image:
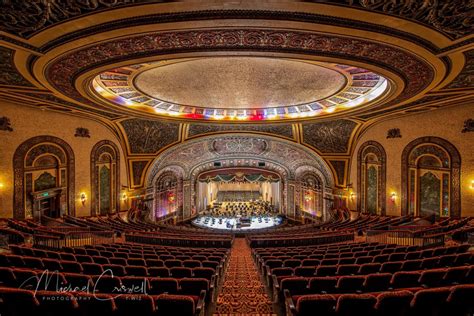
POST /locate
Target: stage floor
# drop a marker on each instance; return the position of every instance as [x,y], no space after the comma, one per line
[230,223]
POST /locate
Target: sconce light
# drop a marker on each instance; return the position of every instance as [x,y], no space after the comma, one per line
[472,185]
[124,197]
[352,196]
[83,198]
[393,197]
[1,185]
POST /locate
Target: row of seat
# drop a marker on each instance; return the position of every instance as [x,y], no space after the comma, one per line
[388,255]
[118,253]
[34,262]
[97,269]
[377,282]
[454,301]
[312,267]
[331,249]
[106,283]
[19,302]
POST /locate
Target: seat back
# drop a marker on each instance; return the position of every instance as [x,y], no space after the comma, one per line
[167,304]
[393,303]
[355,304]
[321,305]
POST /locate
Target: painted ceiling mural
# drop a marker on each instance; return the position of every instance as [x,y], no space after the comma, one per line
[343,73]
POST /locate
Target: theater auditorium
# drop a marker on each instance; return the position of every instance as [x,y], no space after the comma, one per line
[236,157]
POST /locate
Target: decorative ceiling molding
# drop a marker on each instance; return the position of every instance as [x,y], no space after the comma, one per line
[26,18]
[41,97]
[465,79]
[149,137]
[9,75]
[329,137]
[428,99]
[196,130]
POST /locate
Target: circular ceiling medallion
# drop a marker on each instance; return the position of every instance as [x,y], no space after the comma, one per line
[240,88]
[239,82]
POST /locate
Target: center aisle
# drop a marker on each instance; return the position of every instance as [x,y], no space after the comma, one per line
[242,291]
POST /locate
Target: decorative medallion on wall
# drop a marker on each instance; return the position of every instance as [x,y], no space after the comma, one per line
[147,137]
[5,124]
[394,133]
[329,137]
[246,145]
[468,126]
[82,132]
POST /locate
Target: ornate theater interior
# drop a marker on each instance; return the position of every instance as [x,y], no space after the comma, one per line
[236,157]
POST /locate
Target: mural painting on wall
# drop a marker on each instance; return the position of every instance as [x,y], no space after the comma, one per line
[146,136]
[430,195]
[104,190]
[45,181]
[329,137]
[372,191]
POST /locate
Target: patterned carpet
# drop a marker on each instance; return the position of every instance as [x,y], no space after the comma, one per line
[242,292]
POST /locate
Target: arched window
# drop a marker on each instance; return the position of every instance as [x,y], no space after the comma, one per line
[430,178]
[105,178]
[371,177]
[312,194]
[44,178]
[166,194]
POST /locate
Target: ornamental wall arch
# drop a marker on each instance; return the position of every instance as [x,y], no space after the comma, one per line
[376,149]
[31,149]
[110,148]
[454,166]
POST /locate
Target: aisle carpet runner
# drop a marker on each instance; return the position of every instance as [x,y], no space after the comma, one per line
[242,291]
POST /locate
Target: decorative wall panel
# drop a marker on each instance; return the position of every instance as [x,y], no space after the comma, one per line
[9,75]
[148,137]
[329,137]
[138,169]
[340,168]
[279,130]
[465,79]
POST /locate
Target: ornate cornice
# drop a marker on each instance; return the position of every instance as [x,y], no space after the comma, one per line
[26,18]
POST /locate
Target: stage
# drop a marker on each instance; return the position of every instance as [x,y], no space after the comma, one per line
[238,224]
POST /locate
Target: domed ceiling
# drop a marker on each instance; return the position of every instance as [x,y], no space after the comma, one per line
[161,73]
[240,88]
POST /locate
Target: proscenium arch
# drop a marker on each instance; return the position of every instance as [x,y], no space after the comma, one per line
[199,154]
[455,166]
[185,156]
